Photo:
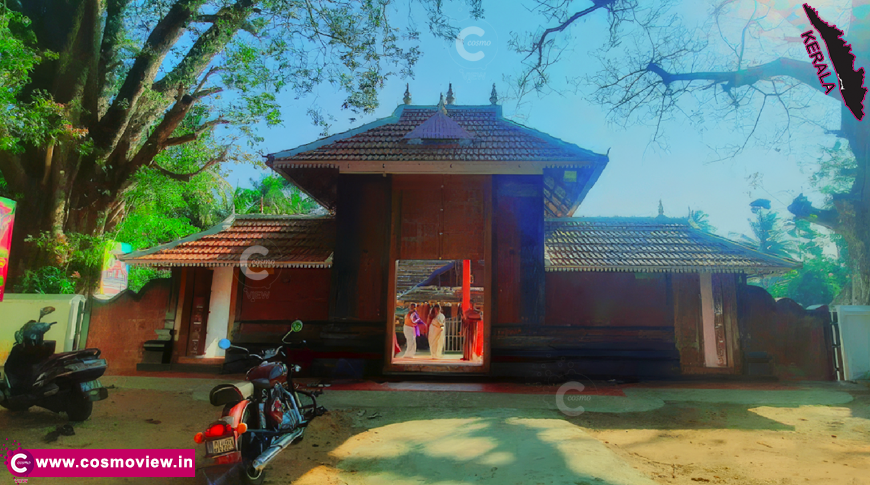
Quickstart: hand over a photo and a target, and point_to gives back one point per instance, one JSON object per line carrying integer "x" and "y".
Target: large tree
{"x": 101, "y": 87}
{"x": 745, "y": 65}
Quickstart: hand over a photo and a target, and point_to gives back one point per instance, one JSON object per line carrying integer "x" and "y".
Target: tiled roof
{"x": 290, "y": 241}
{"x": 648, "y": 245}
{"x": 572, "y": 244}
{"x": 494, "y": 139}
{"x": 438, "y": 127}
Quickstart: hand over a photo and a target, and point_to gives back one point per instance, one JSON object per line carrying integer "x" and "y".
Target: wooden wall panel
{"x": 597, "y": 324}
{"x": 608, "y": 299}
{"x": 287, "y": 294}
{"x": 519, "y": 249}
{"x": 507, "y": 261}
{"x": 463, "y": 224}
{"x": 442, "y": 216}
{"x": 359, "y": 268}
{"x": 420, "y": 215}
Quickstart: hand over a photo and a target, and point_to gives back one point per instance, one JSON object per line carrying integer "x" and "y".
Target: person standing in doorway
{"x": 436, "y": 332}
{"x": 410, "y": 331}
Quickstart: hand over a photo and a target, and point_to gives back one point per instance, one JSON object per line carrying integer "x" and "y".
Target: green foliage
{"x": 272, "y": 195}
{"x": 161, "y": 209}
{"x": 834, "y": 172}
{"x": 72, "y": 263}
{"x": 818, "y": 282}
{"x": 139, "y": 276}
{"x": 770, "y": 234}
{"x": 48, "y": 280}
{"x": 40, "y": 118}
{"x": 700, "y": 220}
{"x": 821, "y": 277}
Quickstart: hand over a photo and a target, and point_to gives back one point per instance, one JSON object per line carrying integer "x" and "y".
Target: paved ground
{"x": 415, "y": 433}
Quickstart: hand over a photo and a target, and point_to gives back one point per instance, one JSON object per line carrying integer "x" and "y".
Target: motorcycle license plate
{"x": 218, "y": 447}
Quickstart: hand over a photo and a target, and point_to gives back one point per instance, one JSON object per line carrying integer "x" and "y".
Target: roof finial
{"x": 441, "y": 106}
{"x": 407, "y": 97}
{"x": 450, "y": 98}
{"x": 661, "y": 209}
{"x": 493, "y": 97}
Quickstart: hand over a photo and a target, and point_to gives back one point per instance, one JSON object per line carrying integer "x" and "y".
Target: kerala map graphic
{"x": 840, "y": 54}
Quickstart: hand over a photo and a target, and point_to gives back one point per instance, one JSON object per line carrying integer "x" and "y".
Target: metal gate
{"x": 454, "y": 340}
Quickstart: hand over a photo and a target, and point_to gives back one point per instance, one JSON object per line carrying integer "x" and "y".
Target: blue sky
{"x": 639, "y": 173}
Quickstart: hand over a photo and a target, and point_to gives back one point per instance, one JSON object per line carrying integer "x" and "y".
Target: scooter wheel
{"x": 15, "y": 408}
{"x": 250, "y": 476}
{"x": 79, "y": 409}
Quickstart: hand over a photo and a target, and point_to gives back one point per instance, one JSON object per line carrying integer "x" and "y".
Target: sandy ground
{"x": 690, "y": 443}
{"x": 679, "y": 442}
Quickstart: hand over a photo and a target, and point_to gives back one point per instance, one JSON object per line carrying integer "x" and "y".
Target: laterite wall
{"x": 121, "y": 326}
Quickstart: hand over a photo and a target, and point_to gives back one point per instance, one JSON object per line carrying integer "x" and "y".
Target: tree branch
{"x": 155, "y": 143}
{"x": 539, "y": 45}
{"x": 180, "y": 140}
{"x": 185, "y": 177}
{"x": 798, "y": 70}
{"x": 209, "y": 44}
{"x": 803, "y": 209}
{"x": 203, "y": 93}
{"x": 162, "y": 38}
{"x": 112, "y": 36}
{"x": 246, "y": 26}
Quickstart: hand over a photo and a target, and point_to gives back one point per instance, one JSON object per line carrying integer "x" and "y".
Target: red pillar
{"x": 466, "y": 284}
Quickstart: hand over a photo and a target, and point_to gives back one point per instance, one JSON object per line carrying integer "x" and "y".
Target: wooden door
{"x": 199, "y": 312}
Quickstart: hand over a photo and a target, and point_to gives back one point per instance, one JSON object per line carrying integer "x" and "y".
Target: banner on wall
{"x": 113, "y": 279}
{"x": 7, "y": 219}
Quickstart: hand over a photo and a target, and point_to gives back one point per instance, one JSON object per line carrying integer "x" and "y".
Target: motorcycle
{"x": 36, "y": 376}
{"x": 262, "y": 416}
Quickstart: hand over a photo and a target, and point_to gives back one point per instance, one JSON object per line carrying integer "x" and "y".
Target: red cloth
{"x": 472, "y": 330}
{"x": 396, "y": 348}
{"x": 423, "y": 310}
{"x": 478, "y": 339}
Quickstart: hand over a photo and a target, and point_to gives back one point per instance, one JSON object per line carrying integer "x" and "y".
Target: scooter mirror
{"x": 45, "y": 311}
{"x": 296, "y": 326}
{"x": 224, "y": 343}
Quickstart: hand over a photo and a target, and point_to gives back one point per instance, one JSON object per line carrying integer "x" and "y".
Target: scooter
{"x": 262, "y": 416}
{"x": 35, "y": 376}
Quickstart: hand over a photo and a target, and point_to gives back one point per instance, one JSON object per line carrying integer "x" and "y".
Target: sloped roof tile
{"x": 572, "y": 244}
{"x": 493, "y": 137}
{"x": 649, "y": 245}
{"x": 289, "y": 241}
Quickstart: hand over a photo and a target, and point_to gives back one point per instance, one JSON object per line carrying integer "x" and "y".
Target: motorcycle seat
{"x": 261, "y": 384}
{"x": 223, "y": 394}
